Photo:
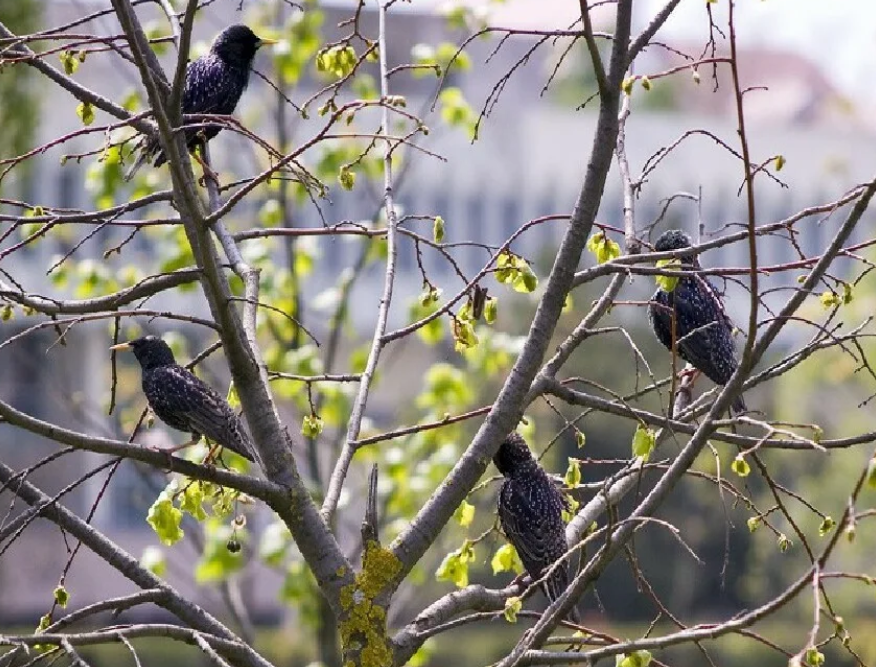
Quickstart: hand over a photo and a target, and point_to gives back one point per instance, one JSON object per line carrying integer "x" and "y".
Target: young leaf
{"x": 814, "y": 657}
{"x": 826, "y": 526}
{"x": 506, "y": 560}
{"x": 644, "y": 441}
{"x": 62, "y": 596}
{"x": 454, "y": 569}
{"x": 667, "y": 283}
{"x": 573, "y": 474}
{"x": 165, "y": 519}
{"x": 491, "y": 309}
{"x": 438, "y": 229}
{"x": 740, "y": 466}
{"x": 193, "y": 500}
{"x": 69, "y": 61}
{"x": 784, "y": 543}
{"x": 637, "y": 659}
{"x": 465, "y": 514}
{"x": 512, "y": 606}
{"x": 603, "y": 248}
{"x": 311, "y": 426}
{"x": 85, "y": 112}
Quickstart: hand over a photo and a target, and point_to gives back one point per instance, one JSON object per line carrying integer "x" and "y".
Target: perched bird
{"x": 184, "y": 402}
{"x": 703, "y": 331}
{"x": 213, "y": 85}
{"x": 531, "y": 513}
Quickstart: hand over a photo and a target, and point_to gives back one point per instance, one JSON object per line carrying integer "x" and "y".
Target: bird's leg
{"x": 690, "y": 374}
{"x": 196, "y": 438}
{"x": 211, "y": 455}
{"x": 208, "y": 172}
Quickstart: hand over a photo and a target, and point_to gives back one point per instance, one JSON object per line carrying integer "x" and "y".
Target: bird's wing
{"x": 531, "y": 515}
{"x": 209, "y": 87}
{"x": 204, "y": 409}
{"x": 704, "y": 330}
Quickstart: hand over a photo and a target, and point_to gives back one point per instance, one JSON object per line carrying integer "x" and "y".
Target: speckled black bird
{"x": 703, "y": 331}
{"x": 213, "y": 85}
{"x": 531, "y": 513}
{"x": 183, "y": 401}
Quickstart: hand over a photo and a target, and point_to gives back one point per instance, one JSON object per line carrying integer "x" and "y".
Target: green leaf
{"x": 464, "y": 335}
{"x": 779, "y": 162}
{"x": 827, "y": 525}
{"x": 337, "y": 60}
{"x": 573, "y": 474}
{"x": 491, "y": 308}
{"x": 453, "y": 569}
{"x": 153, "y": 560}
{"x": 813, "y": 657}
{"x": 784, "y": 543}
{"x": 465, "y": 514}
{"x": 753, "y": 523}
{"x": 438, "y": 229}
{"x": 603, "y": 248}
{"x": 165, "y": 519}
{"x": 346, "y": 177}
{"x": 667, "y": 283}
{"x": 513, "y": 605}
{"x": 848, "y": 296}
{"x": 580, "y": 439}
{"x": 192, "y": 500}
{"x": 637, "y": 659}
{"x": 311, "y": 426}
{"x": 526, "y": 282}
{"x": 85, "y": 112}
{"x": 646, "y": 83}
{"x": 69, "y": 61}
{"x": 871, "y": 473}
{"x": 740, "y": 466}
{"x": 829, "y": 299}
{"x": 62, "y": 597}
{"x": 506, "y": 559}
{"x": 644, "y": 441}
{"x": 45, "y": 622}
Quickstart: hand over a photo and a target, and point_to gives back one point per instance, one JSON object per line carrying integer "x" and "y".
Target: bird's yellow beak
{"x": 121, "y": 346}
{"x": 264, "y": 41}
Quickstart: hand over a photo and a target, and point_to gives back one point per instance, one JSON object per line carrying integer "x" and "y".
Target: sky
{"x": 839, "y": 35}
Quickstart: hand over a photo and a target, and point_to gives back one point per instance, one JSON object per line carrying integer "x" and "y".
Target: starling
{"x": 531, "y": 513}
{"x": 213, "y": 85}
{"x": 184, "y": 402}
{"x": 703, "y": 331}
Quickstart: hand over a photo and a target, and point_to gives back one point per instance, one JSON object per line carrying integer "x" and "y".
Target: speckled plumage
{"x": 703, "y": 331}
{"x": 214, "y": 84}
{"x": 183, "y": 401}
{"x": 531, "y": 514}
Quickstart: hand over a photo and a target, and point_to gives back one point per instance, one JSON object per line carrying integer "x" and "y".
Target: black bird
{"x": 213, "y": 85}
{"x": 703, "y": 331}
{"x": 184, "y": 402}
{"x": 531, "y": 513}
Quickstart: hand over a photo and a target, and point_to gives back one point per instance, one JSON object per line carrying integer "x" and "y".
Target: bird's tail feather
{"x": 145, "y": 151}
{"x": 555, "y": 585}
